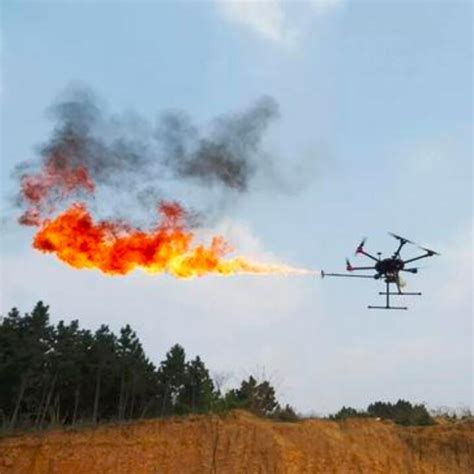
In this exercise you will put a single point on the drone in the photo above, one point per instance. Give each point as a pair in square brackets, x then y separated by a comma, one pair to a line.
[387, 269]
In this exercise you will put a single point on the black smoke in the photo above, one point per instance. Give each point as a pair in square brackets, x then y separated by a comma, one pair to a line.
[130, 156]
[229, 156]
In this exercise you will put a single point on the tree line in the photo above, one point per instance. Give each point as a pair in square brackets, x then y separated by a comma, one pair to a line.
[63, 374]
[402, 412]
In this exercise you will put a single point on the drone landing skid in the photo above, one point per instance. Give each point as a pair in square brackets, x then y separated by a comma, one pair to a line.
[387, 307]
[389, 293]
[396, 293]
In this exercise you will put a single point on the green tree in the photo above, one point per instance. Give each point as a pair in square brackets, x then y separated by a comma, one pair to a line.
[32, 344]
[69, 359]
[347, 412]
[197, 393]
[257, 397]
[10, 375]
[171, 378]
[103, 361]
[287, 413]
[402, 412]
[138, 381]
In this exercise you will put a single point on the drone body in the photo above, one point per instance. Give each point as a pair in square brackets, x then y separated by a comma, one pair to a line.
[387, 269]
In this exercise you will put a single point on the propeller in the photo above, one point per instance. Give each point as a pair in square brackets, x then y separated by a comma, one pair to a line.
[360, 247]
[401, 239]
[348, 265]
[430, 252]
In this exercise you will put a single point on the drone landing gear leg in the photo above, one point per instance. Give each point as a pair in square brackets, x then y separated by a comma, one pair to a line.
[387, 302]
[400, 292]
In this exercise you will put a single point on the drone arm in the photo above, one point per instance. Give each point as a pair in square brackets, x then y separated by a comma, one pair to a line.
[361, 268]
[324, 274]
[399, 249]
[363, 252]
[418, 258]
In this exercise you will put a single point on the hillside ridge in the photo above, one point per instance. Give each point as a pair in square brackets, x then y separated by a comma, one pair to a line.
[240, 442]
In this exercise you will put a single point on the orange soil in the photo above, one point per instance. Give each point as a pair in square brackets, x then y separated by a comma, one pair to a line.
[242, 443]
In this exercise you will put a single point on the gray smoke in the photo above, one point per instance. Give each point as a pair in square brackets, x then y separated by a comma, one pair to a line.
[129, 154]
[229, 156]
[85, 136]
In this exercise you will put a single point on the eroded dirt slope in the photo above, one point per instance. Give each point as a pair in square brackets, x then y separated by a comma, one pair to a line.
[242, 443]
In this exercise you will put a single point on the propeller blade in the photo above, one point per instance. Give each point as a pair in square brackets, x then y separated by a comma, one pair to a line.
[348, 265]
[360, 247]
[400, 238]
[431, 252]
[403, 239]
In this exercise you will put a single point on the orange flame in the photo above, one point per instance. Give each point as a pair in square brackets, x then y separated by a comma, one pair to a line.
[56, 181]
[116, 248]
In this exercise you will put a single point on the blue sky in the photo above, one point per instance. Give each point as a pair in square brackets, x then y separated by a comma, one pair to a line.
[375, 133]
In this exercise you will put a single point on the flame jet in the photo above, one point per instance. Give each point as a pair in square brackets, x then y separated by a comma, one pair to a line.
[90, 151]
[116, 248]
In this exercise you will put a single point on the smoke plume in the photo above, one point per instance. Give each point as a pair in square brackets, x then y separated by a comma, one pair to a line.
[94, 157]
[90, 148]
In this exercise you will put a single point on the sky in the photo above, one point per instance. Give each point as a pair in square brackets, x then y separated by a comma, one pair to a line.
[374, 135]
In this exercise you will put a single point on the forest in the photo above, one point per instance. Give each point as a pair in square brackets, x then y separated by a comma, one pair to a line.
[63, 375]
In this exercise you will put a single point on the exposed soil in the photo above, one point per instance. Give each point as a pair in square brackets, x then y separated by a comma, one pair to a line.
[242, 443]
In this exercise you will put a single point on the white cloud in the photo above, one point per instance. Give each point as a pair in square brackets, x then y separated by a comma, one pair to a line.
[271, 19]
[322, 6]
[265, 18]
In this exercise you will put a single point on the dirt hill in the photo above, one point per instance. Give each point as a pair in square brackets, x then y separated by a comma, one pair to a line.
[242, 443]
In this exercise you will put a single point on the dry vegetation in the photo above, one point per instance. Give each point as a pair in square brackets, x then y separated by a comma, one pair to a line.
[243, 443]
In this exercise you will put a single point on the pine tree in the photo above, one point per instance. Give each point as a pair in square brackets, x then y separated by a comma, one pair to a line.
[9, 365]
[69, 356]
[103, 360]
[257, 397]
[197, 393]
[34, 337]
[171, 377]
[136, 376]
